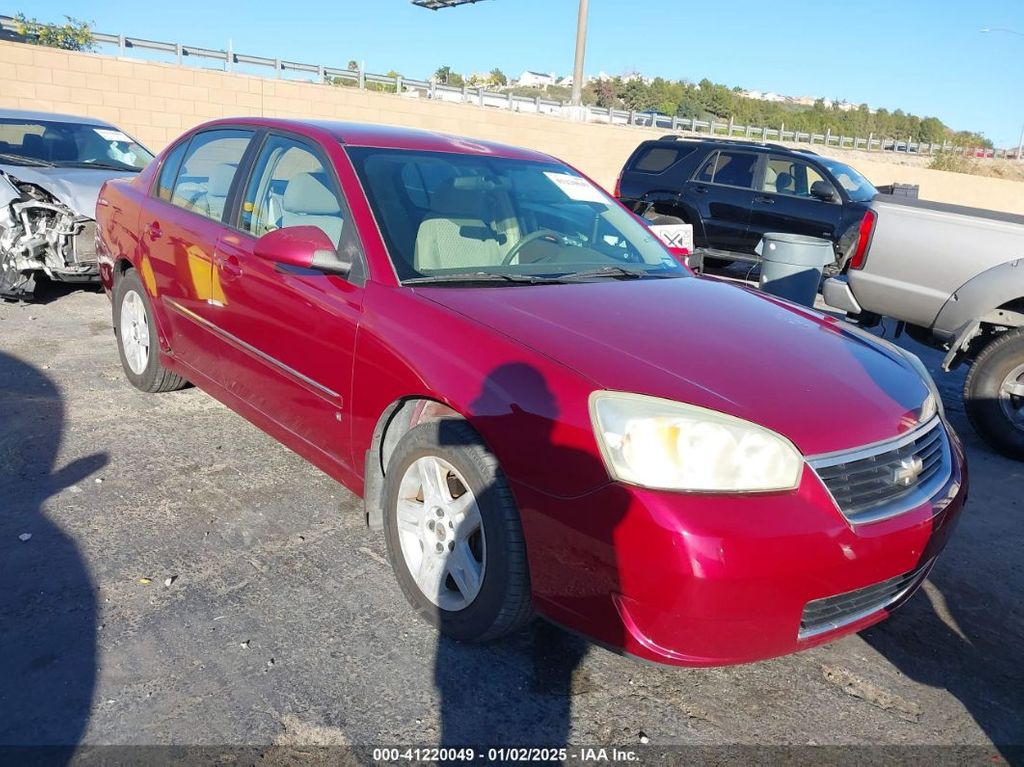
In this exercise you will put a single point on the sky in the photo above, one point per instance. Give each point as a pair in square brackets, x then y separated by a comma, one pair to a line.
[926, 57]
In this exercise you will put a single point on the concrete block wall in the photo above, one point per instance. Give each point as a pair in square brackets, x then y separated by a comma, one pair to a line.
[156, 102]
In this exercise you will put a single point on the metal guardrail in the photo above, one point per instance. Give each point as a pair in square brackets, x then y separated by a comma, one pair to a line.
[231, 61]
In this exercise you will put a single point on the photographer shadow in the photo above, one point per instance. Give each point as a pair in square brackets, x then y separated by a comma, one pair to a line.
[519, 691]
[47, 598]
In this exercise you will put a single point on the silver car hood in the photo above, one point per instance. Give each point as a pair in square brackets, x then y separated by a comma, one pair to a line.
[77, 188]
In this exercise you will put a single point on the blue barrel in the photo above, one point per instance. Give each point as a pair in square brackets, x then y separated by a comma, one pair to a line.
[792, 264]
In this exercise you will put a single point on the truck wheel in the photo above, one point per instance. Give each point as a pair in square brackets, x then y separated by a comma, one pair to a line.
[137, 342]
[453, 534]
[994, 394]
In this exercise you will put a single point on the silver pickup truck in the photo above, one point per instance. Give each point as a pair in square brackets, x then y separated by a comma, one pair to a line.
[953, 277]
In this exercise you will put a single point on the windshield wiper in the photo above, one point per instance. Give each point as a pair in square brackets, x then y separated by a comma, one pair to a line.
[99, 165]
[620, 273]
[18, 159]
[471, 277]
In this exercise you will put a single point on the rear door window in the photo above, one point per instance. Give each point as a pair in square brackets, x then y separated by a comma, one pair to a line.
[732, 169]
[169, 171]
[208, 170]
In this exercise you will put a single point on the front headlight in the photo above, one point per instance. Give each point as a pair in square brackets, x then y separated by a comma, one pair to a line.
[667, 445]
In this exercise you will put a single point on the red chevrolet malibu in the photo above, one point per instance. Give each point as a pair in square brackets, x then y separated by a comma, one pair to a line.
[542, 409]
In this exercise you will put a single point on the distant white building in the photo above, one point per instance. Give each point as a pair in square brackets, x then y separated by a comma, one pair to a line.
[530, 79]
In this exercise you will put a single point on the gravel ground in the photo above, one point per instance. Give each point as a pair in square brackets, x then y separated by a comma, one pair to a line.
[190, 581]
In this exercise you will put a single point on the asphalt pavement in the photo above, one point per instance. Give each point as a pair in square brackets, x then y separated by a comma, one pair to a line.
[188, 580]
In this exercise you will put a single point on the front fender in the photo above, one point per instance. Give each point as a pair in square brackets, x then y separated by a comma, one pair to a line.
[981, 295]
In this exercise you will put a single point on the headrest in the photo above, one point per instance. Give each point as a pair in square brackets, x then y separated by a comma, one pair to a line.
[784, 181]
[461, 197]
[307, 194]
[220, 179]
[32, 143]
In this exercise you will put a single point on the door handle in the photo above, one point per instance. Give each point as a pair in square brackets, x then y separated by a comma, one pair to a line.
[155, 233]
[230, 267]
[700, 189]
[766, 200]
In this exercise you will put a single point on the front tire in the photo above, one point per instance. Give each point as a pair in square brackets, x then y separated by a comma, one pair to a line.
[453, 533]
[994, 394]
[137, 341]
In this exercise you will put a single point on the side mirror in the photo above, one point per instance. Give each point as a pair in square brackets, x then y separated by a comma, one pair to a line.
[822, 190]
[306, 247]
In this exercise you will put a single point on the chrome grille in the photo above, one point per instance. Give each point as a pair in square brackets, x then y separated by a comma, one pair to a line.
[830, 613]
[884, 480]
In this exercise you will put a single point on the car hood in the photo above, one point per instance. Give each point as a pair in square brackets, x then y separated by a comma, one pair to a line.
[77, 188]
[708, 343]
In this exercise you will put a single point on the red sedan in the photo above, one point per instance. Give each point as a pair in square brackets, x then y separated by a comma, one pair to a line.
[542, 409]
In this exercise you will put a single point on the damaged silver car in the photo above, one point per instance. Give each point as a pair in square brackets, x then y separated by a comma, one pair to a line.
[51, 170]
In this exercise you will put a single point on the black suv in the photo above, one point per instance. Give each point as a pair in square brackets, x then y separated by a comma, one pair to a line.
[732, 192]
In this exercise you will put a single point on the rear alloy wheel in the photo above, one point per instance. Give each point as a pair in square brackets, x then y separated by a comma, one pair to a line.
[994, 394]
[137, 339]
[453, 533]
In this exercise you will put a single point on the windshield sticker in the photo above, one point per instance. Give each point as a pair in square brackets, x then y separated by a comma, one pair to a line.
[111, 134]
[576, 188]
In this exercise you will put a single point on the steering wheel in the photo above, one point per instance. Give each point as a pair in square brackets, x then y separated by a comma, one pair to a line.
[540, 234]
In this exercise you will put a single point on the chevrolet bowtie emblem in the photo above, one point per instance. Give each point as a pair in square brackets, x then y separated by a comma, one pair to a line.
[907, 472]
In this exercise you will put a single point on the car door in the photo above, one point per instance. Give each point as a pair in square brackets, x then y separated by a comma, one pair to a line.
[784, 202]
[292, 330]
[722, 191]
[181, 224]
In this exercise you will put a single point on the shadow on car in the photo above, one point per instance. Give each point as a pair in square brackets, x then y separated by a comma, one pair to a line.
[47, 598]
[518, 692]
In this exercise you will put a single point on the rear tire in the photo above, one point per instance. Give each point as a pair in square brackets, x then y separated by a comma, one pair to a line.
[994, 394]
[455, 544]
[137, 343]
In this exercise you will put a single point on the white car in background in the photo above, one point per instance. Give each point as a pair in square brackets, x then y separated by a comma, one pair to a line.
[51, 169]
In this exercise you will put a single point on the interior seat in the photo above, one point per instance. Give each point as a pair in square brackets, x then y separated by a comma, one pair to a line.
[32, 146]
[460, 230]
[785, 183]
[308, 201]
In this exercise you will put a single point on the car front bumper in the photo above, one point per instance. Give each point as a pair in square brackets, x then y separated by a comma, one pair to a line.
[706, 580]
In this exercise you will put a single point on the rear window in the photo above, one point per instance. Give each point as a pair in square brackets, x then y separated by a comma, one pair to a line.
[656, 159]
[729, 168]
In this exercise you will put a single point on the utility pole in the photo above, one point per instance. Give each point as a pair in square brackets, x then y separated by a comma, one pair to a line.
[581, 44]
[1020, 145]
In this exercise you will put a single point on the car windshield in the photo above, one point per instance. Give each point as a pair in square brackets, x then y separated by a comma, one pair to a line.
[69, 144]
[857, 187]
[461, 218]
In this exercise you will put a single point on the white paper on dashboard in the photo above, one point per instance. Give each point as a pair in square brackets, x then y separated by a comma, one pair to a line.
[576, 188]
[111, 134]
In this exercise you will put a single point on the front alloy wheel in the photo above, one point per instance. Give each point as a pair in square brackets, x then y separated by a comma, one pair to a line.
[441, 533]
[453, 533]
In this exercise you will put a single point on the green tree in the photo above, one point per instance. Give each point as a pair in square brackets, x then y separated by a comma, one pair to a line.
[498, 77]
[353, 65]
[443, 75]
[73, 35]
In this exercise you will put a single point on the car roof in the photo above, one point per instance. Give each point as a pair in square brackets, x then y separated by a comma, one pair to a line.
[30, 114]
[389, 137]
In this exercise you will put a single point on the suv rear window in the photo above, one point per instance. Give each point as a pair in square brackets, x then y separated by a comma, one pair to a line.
[656, 159]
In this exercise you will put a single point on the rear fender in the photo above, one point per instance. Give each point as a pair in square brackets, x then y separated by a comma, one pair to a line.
[981, 297]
